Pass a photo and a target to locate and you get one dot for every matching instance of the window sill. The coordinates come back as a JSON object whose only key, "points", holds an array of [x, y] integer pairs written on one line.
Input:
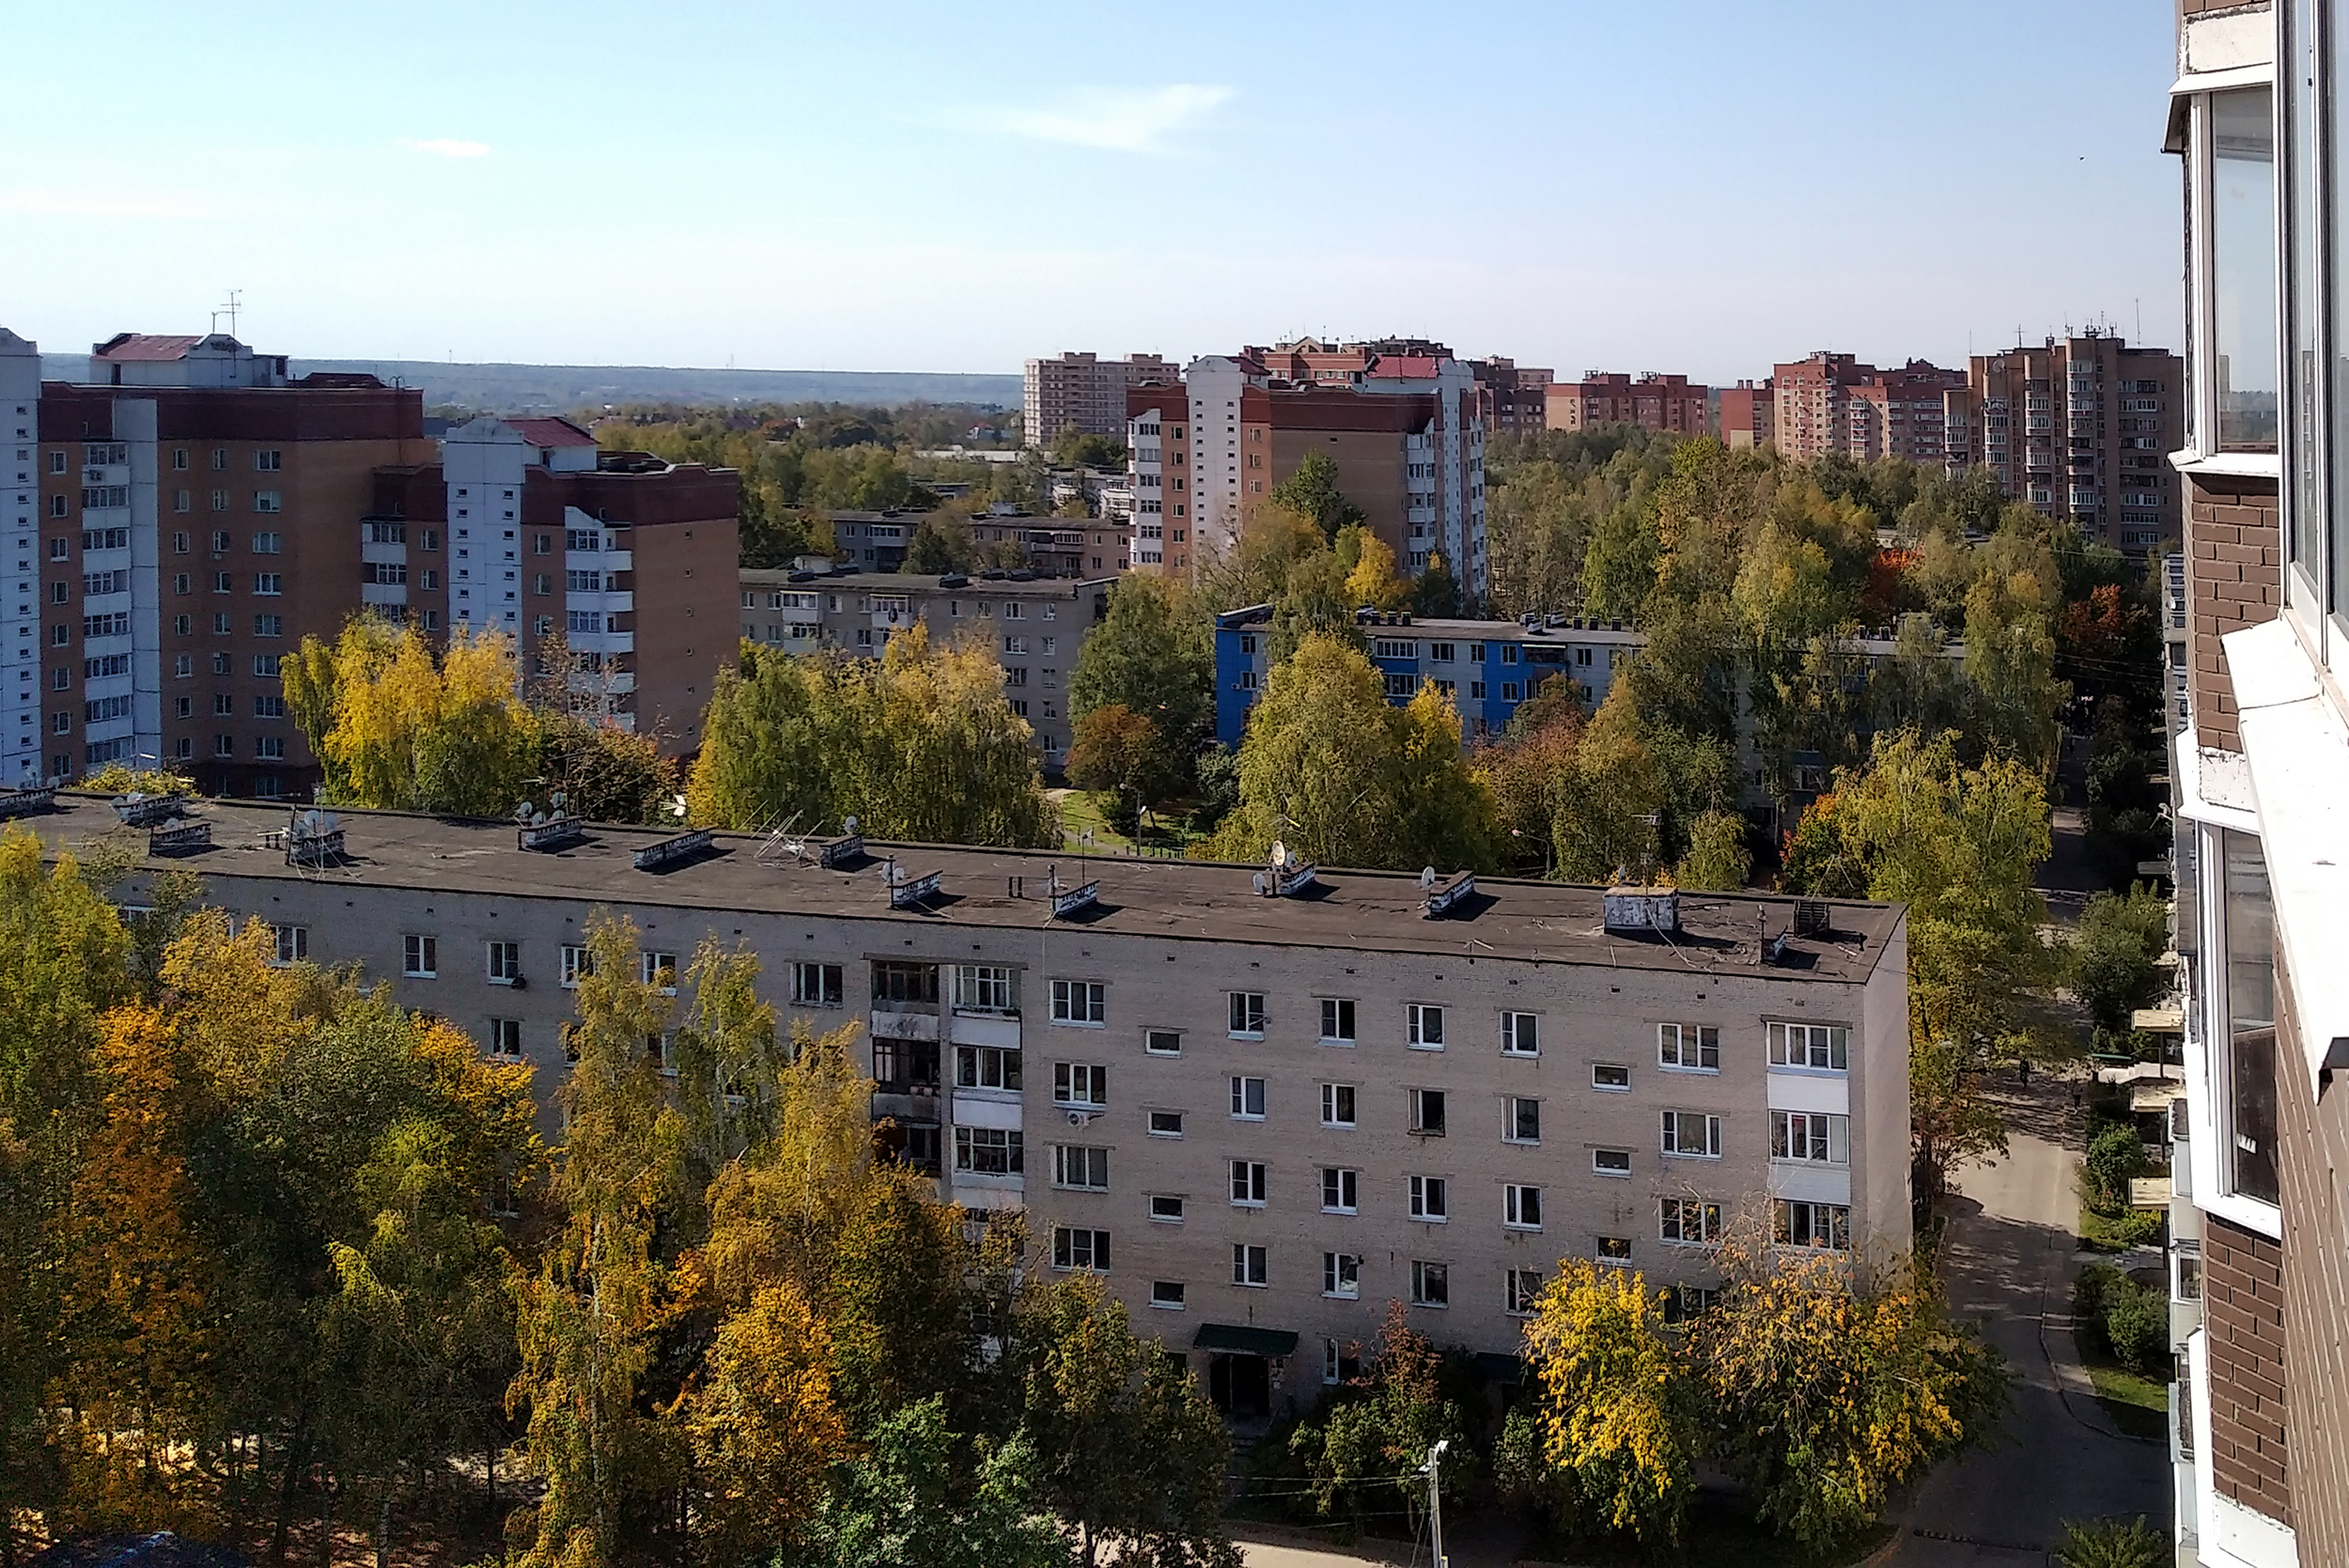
{"points": [[2237, 465], [1520, 1056], [1326, 1040], [2294, 739], [1437, 1047], [1524, 1230], [1431, 1220], [1809, 1072], [1076, 1023], [1698, 1072], [1676, 1154], [1246, 1034], [1432, 1306]]}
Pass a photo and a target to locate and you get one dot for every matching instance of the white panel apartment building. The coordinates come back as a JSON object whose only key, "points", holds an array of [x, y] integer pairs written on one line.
{"points": [[1260, 1103]]}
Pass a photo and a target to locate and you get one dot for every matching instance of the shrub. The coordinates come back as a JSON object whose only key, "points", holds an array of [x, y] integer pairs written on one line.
{"points": [[2137, 1325], [2110, 1544], [2098, 1283], [2114, 1155]]}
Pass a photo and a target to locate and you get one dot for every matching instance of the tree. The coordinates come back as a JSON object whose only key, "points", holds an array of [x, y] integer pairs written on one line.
{"points": [[1126, 1447], [898, 1502], [2113, 949], [1371, 578], [1525, 763], [1360, 1454], [941, 544], [1330, 768], [397, 727], [1152, 655], [1619, 568], [763, 1427], [1618, 1412], [1827, 1392], [918, 745], [1311, 492], [606, 773], [1604, 813], [1118, 751], [1717, 860]]}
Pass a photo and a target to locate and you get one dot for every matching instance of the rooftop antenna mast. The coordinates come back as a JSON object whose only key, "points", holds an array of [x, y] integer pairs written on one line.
{"points": [[229, 308]]}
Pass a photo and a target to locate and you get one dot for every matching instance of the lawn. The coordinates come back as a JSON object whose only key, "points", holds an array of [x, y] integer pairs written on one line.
{"points": [[2138, 1404], [1079, 812]]}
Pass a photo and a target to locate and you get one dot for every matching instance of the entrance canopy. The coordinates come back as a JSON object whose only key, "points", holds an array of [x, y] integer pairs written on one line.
{"points": [[1238, 1338]]}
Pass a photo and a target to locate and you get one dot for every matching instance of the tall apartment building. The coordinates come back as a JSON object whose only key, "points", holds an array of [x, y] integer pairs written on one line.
{"points": [[526, 527], [2082, 427], [1083, 391], [1408, 437], [2259, 1437], [200, 515], [1257, 1117], [1650, 401], [1748, 416], [1831, 402], [21, 736], [1515, 395], [1035, 626]]}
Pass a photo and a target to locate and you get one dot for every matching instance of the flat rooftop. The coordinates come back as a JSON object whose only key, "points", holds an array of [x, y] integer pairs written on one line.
{"points": [[1178, 900], [1035, 586]]}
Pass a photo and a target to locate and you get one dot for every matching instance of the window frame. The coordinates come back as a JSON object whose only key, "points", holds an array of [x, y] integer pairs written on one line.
{"points": [[1623, 1088], [1419, 1015], [1095, 1249], [1519, 1200], [1246, 1014], [1251, 1183], [1423, 1188], [1780, 1033], [1337, 1020], [1707, 1043], [1252, 1265], [1427, 1272], [1081, 1003], [1341, 1276], [420, 955], [1240, 1083], [1516, 1029], [1341, 1189], [579, 963], [1336, 1096], [1671, 1127]]}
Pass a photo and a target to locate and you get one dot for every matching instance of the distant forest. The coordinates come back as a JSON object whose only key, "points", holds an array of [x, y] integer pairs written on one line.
{"points": [[563, 388]]}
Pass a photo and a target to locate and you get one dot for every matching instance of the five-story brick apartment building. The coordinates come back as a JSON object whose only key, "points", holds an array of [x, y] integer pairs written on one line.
{"points": [[1261, 1102]]}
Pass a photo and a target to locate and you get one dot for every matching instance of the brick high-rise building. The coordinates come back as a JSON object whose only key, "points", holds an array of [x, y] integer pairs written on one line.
{"points": [[1835, 403], [2082, 427], [1749, 414], [1407, 436], [1650, 401], [1515, 395], [1083, 391]]}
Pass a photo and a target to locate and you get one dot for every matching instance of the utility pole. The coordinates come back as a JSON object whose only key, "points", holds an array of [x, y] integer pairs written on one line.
{"points": [[1434, 1500]]}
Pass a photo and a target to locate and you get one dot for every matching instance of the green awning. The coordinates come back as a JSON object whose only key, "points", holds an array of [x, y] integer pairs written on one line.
{"points": [[1493, 1366], [1244, 1341]]}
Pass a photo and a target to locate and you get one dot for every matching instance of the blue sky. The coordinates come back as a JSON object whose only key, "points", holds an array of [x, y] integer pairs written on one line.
{"points": [[1696, 187]]}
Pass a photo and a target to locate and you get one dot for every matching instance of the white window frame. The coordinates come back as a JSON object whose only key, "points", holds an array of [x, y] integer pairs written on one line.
{"points": [[1520, 1207], [1831, 1041], [1240, 1092], [1672, 1135], [1424, 1023], [1601, 1164], [1425, 1271], [988, 990], [1341, 1276], [1677, 1044], [1510, 1131], [1153, 1119], [1623, 1088], [1520, 1034], [420, 955], [502, 955], [293, 945], [1337, 1020], [1081, 1003], [1339, 1106], [1341, 1189], [579, 963], [1168, 1296], [1246, 1014], [1522, 1292], [1067, 1249], [1151, 1039], [1081, 1085], [1252, 1265], [1828, 1131], [1251, 1183], [1673, 1213], [971, 1143], [1166, 1208], [1074, 1166], [1431, 1200], [650, 964]]}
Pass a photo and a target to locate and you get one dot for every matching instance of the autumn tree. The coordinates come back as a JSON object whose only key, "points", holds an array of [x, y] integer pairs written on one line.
{"points": [[1311, 492], [1619, 1417], [764, 1430], [1152, 654], [1120, 752], [1331, 768], [1718, 859], [919, 744], [1361, 1453], [1371, 577], [606, 773], [1526, 765]]}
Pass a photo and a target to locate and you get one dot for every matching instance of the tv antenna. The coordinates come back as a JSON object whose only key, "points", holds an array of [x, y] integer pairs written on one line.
{"points": [[230, 308]]}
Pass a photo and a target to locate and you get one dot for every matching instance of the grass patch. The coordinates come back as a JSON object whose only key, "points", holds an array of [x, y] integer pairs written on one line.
{"points": [[2119, 1232], [2138, 1404], [1077, 813], [1721, 1529]]}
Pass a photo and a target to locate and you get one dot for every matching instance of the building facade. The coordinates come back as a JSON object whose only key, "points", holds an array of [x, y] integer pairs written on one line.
{"points": [[1747, 414], [2082, 427], [1035, 626], [1407, 433], [1650, 401], [1083, 391], [1831, 402], [1259, 1118], [23, 737]]}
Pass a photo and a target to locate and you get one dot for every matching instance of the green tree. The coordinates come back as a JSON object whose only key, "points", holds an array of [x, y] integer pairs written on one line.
{"points": [[1153, 654], [606, 773], [1360, 1454], [1718, 859], [1126, 1447], [1604, 813], [1436, 595], [1619, 566], [1120, 752], [1311, 492], [2113, 949], [2111, 1544], [941, 544], [901, 1503], [1620, 1417]]}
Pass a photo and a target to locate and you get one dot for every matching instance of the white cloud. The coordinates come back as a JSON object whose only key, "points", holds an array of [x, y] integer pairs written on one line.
{"points": [[1115, 119], [446, 146]]}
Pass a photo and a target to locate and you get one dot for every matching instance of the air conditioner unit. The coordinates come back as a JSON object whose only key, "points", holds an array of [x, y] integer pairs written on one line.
{"points": [[1078, 1118]]}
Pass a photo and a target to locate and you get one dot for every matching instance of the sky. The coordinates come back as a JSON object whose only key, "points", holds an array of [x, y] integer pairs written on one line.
{"points": [[1698, 188]]}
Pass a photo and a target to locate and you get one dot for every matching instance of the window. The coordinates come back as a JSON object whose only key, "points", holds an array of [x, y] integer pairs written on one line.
{"points": [[1522, 1207], [506, 1038], [1429, 1199], [293, 943], [1521, 1119], [1810, 1135], [1427, 1113], [1688, 1047], [1080, 1001], [914, 983], [267, 544], [1610, 1162], [267, 462], [1341, 1276], [816, 985], [1167, 1294], [1615, 1250], [1337, 1104], [268, 501], [657, 970], [1247, 1015], [1166, 1124], [1427, 1027], [269, 708], [1337, 1021], [1341, 1361], [903, 1066], [2248, 1086], [1431, 1284], [264, 664], [1079, 1166], [1248, 1183], [1166, 1207], [1074, 1249], [578, 963], [1823, 1225], [422, 957], [987, 1067], [1692, 1134], [1605, 1074], [1249, 1266], [1080, 1083], [1341, 1190], [1163, 1042], [2242, 229], [1524, 1291], [1248, 1100], [1520, 1034], [506, 963], [1810, 1044], [983, 988], [1691, 1221], [269, 625]]}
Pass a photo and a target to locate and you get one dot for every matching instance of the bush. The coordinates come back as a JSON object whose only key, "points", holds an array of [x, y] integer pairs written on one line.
{"points": [[2114, 1156], [2110, 1544], [2137, 1325], [2097, 1283]]}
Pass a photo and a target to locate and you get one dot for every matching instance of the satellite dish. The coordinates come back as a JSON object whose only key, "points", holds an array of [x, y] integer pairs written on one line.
{"points": [[848, 827], [522, 811], [558, 798], [1279, 853], [1427, 878], [1263, 884]]}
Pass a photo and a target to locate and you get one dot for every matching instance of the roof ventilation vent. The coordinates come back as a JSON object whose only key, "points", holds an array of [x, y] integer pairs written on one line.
{"points": [[1634, 909]]}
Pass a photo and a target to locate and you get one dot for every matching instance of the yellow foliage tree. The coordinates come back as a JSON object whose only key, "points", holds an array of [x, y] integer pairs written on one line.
{"points": [[763, 1426], [1373, 580]]}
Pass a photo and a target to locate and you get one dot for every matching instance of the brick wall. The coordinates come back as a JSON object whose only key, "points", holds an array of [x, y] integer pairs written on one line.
{"points": [[2209, 7], [2243, 1312], [2234, 579], [2312, 1143]]}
